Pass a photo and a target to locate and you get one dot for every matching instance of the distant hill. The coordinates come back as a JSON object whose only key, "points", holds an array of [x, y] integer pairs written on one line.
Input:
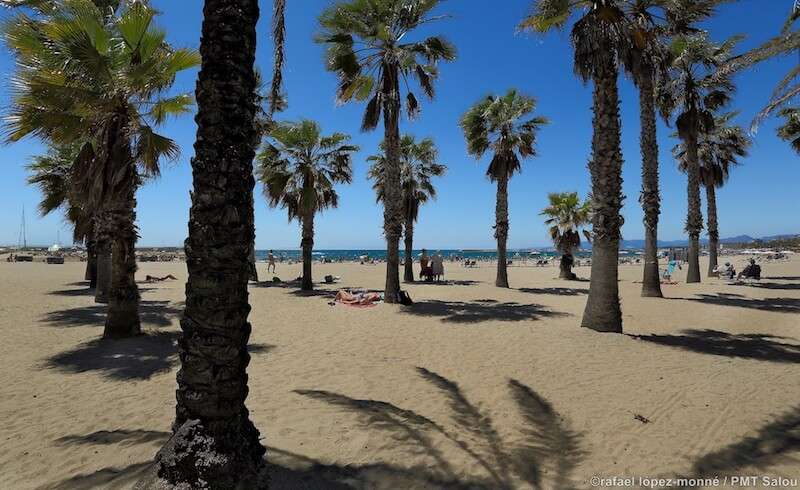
{"points": [[740, 239]]}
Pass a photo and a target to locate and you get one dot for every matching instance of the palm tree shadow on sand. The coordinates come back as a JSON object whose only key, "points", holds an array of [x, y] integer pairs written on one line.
{"points": [[480, 311], [777, 442], [748, 346], [544, 456]]}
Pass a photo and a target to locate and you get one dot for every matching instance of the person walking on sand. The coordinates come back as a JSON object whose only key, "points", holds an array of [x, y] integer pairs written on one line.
{"points": [[271, 261]]}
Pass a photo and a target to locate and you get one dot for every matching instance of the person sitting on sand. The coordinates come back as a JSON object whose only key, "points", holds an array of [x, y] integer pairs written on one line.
{"points": [[437, 266], [752, 271], [726, 272], [168, 277], [271, 261], [358, 299], [425, 271]]}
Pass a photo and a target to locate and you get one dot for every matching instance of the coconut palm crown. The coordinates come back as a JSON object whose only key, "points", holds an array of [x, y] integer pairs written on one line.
{"points": [[299, 168], [99, 76], [368, 47], [503, 125]]}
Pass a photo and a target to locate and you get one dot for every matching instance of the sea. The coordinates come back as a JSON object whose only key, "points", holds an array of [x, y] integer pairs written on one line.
{"points": [[472, 254]]}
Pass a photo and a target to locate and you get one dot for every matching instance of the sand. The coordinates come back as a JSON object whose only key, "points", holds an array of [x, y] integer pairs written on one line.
{"points": [[472, 387]]}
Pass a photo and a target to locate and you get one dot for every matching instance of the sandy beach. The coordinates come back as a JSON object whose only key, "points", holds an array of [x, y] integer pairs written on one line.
{"points": [[472, 387]]}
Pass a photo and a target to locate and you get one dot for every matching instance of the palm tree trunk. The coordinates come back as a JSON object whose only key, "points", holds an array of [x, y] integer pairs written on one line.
{"points": [[122, 319], [649, 197], [212, 423], [307, 244], [392, 203], [713, 229], [565, 266], [602, 312], [91, 261], [103, 238], [694, 219], [501, 230], [408, 273]]}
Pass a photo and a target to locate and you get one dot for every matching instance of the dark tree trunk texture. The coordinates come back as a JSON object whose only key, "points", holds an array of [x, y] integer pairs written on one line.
{"points": [[565, 266], [307, 244], [649, 197], [713, 229], [91, 261], [602, 312], [103, 239], [501, 230], [393, 205], [694, 219], [122, 318], [215, 445], [408, 272]]}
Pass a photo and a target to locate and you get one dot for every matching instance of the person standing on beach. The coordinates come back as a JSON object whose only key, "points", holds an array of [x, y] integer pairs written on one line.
{"points": [[271, 261]]}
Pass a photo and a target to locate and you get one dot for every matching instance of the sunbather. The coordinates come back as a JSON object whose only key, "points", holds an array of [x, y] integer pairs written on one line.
{"points": [[358, 299]]}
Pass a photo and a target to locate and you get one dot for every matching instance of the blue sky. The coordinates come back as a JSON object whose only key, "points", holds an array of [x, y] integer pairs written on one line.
{"points": [[759, 199]]}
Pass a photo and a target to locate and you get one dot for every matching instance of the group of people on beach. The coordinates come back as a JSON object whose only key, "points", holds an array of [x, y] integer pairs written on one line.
{"points": [[431, 268]]}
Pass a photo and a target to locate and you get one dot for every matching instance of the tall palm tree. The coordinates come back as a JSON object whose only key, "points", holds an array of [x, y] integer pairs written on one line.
{"points": [[651, 23], [648, 62], [418, 165], [696, 90], [601, 40], [212, 423], [369, 51], [100, 77], [299, 168], [496, 123], [52, 174], [718, 151], [566, 215]]}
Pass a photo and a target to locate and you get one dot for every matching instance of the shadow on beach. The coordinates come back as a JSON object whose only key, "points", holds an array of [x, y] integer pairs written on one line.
{"points": [[774, 443], [156, 313], [480, 311], [547, 450], [714, 342], [779, 305]]}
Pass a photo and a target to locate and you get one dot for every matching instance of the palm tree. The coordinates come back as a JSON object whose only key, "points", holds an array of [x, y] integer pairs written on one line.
{"points": [[52, 174], [418, 165], [100, 77], [787, 42], [648, 65], [276, 98], [212, 422], [566, 215], [299, 169], [717, 152], [367, 49], [790, 130], [601, 40], [697, 91], [651, 23], [496, 123]]}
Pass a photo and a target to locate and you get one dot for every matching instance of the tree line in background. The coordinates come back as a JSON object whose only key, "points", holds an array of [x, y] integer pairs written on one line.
{"points": [[94, 79]]}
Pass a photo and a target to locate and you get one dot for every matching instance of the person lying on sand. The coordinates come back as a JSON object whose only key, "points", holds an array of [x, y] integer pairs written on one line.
{"points": [[168, 277], [358, 299]]}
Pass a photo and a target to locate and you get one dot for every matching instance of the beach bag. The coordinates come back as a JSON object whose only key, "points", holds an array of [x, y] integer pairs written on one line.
{"points": [[405, 299]]}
